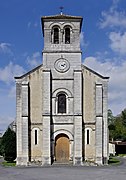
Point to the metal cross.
(61, 10)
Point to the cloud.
(82, 42)
(118, 42)
(7, 108)
(5, 48)
(12, 92)
(30, 24)
(34, 60)
(35, 24)
(113, 17)
(117, 82)
(8, 93)
(8, 73)
(4, 122)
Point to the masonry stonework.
(61, 104)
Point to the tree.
(1, 148)
(117, 126)
(123, 116)
(9, 145)
(111, 118)
(111, 124)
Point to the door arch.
(62, 146)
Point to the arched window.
(56, 35)
(67, 35)
(62, 103)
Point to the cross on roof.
(61, 10)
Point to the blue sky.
(103, 42)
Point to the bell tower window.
(62, 103)
(67, 35)
(56, 35)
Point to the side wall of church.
(29, 117)
(89, 113)
(35, 111)
(90, 81)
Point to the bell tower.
(62, 87)
(61, 37)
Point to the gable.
(26, 75)
(87, 69)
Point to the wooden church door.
(62, 148)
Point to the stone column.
(105, 120)
(25, 148)
(99, 124)
(46, 155)
(77, 158)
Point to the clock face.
(62, 65)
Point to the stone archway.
(62, 148)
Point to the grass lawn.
(121, 155)
(113, 161)
(5, 163)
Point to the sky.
(103, 43)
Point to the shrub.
(9, 145)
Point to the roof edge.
(98, 74)
(22, 76)
(61, 16)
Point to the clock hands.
(63, 64)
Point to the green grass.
(121, 155)
(5, 163)
(113, 161)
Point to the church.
(61, 105)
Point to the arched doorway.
(62, 148)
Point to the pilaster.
(22, 122)
(46, 146)
(105, 120)
(25, 147)
(99, 125)
(77, 118)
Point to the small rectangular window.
(36, 140)
(87, 136)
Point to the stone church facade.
(61, 105)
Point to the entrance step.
(62, 164)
